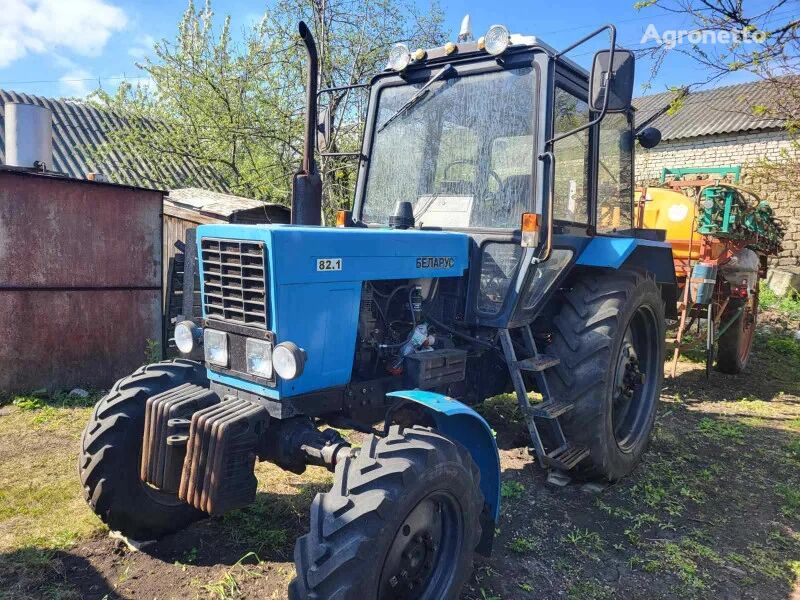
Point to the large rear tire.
(609, 336)
(736, 343)
(111, 448)
(401, 521)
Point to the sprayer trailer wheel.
(609, 336)
(111, 448)
(736, 342)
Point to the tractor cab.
(511, 143)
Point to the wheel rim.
(635, 379)
(422, 557)
(749, 317)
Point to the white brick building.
(719, 128)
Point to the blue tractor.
(490, 249)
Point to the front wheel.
(401, 521)
(111, 449)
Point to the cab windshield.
(462, 154)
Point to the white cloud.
(77, 82)
(38, 26)
(143, 47)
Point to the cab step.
(551, 409)
(567, 457)
(538, 363)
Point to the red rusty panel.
(59, 232)
(63, 339)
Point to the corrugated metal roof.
(728, 109)
(215, 203)
(79, 127)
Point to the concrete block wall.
(748, 150)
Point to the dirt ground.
(713, 511)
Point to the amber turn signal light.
(342, 218)
(530, 230)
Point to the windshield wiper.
(415, 99)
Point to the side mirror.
(649, 137)
(324, 127)
(615, 80)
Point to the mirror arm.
(603, 111)
(586, 38)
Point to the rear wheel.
(401, 521)
(609, 336)
(736, 342)
(111, 448)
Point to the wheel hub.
(634, 379)
(629, 377)
(417, 552)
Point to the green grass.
(785, 347)
(722, 429)
(790, 496)
(589, 589)
(41, 502)
(684, 558)
(524, 545)
(788, 305)
(511, 490)
(586, 542)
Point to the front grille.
(235, 281)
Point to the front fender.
(461, 423)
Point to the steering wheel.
(471, 161)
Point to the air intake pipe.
(307, 183)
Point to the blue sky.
(65, 47)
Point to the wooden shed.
(187, 208)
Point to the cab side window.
(570, 202)
(614, 174)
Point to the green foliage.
(27, 403)
(786, 347)
(788, 305)
(152, 352)
(511, 490)
(235, 103)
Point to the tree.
(353, 39)
(760, 39)
(235, 104)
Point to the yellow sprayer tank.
(675, 213)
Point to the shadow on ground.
(712, 511)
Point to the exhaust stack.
(307, 183)
(29, 136)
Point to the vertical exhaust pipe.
(307, 183)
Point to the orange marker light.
(341, 218)
(530, 230)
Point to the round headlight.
(497, 39)
(187, 335)
(399, 57)
(288, 360)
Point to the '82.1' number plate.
(329, 264)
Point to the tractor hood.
(314, 277)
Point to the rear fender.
(461, 423)
(636, 253)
